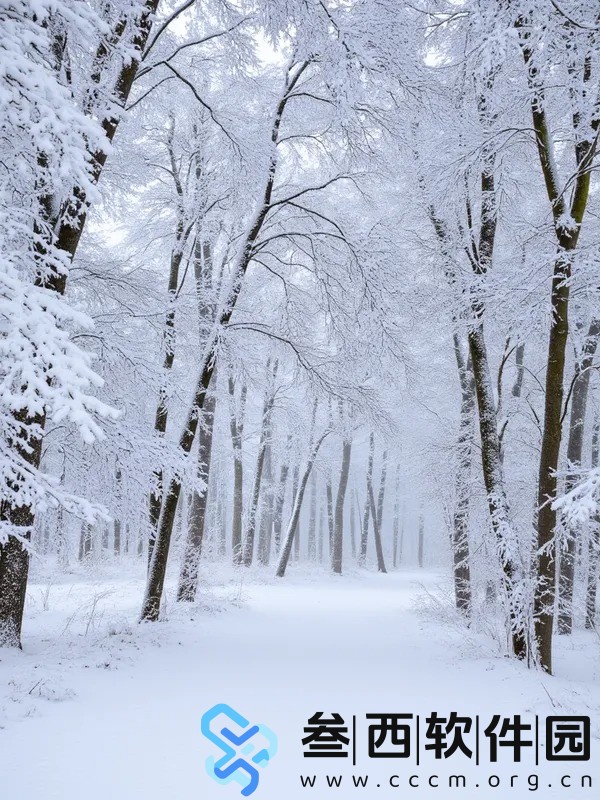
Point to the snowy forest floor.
(107, 708)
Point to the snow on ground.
(99, 707)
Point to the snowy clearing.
(112, 709)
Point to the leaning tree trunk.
(338, 532)
(286, 550)
(579, 398)
(280, 498)
(295, 480)
(156, 573)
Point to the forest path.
(352, 645)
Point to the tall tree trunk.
(338, 533)
(265, 436)
(188, 577)
(312, 520)
(365, 523)
(266, 524)
(491, 457)
(117, 537)
(479, 251)
(396, 518)
(280, 496)
(293, 524)
(203, 276)
(221, 522)
(402, 525)
(295, 480)
(567, 225)
(491, 450)
(421, 549)
(460, 532)
(237, 432)
(353, 531)
(162, 410)
(481, 256)
(579, 398)
(381, 492)
(321, 543)
(80, 551)
(376, 532)
(330, 514)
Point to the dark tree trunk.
(376, 532)
(14, 554)
(338, 533)
(117, 538)
(14, 567)
(568, 218)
